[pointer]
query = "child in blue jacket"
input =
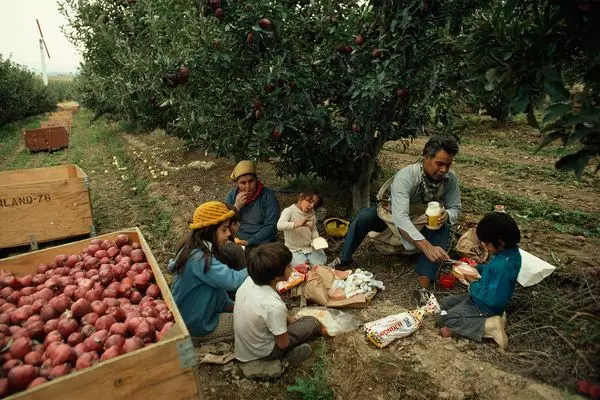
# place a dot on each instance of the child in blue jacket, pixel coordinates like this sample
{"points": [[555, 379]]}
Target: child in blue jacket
{"points": [[201, 281], [477, 314]]}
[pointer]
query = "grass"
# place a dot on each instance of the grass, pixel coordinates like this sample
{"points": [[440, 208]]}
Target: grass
{"points": [[315, 387], [578, 222], [519, 171]]}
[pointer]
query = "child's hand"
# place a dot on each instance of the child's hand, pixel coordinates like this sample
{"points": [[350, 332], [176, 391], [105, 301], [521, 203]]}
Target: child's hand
{"points": [[240, 242], [471, 278], [291, 319], [301, 222]]}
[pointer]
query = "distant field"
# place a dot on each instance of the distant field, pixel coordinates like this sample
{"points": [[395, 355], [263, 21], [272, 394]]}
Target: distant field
{"points": [[57, 78]]}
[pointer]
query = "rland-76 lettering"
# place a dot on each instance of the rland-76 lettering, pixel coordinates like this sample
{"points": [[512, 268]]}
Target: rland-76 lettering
{"points": [[24, 200]]}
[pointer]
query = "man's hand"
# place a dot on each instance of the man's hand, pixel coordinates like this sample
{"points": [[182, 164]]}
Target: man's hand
{"points": [[435, 254], [240, 199], [443, 218], [301, 222]]}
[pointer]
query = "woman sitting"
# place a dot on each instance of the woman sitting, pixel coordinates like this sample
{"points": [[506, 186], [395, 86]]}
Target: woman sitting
{"points": [[257, 206]]}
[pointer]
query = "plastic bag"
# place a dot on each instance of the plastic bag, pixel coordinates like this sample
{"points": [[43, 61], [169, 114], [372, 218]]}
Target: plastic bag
{"points": [[295, 279], [385, 330], [335, 321]]}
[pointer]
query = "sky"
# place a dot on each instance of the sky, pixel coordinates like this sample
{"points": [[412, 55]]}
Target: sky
{"points": [[19, 35]]}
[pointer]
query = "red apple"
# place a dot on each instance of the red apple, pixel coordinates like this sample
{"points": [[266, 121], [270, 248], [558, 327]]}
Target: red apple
{"points": [[183, 72], [355, 127], [269, 88], [402, 93], [292, 86], [215, 4], [595, 392], [250, 38], [583, 386], [266, 24], [376, 53], [257, 103], [219, 13], [258, 114], [360, 39], [275, 133]]}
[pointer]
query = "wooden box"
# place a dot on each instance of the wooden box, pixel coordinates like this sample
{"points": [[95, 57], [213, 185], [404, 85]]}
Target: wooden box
{"points": [[163, 370], [42, 204], [51, 124], [51, 138]]}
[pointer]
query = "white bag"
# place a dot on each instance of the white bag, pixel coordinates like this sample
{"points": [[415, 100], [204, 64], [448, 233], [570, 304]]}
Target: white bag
{"points": [[533, 269]]}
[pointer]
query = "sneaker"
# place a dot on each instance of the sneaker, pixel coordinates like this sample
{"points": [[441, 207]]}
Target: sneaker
{"points": [[298, 354], [421, 296], [339, 264]]}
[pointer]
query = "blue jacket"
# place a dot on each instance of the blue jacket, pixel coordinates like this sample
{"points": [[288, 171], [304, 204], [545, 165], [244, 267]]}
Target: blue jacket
{"points": [[492, 292], [201, 296], [258, 220]]}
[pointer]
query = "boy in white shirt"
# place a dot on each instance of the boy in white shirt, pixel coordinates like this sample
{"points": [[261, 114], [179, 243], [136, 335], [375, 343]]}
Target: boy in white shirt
{"points": [[263, 329]]}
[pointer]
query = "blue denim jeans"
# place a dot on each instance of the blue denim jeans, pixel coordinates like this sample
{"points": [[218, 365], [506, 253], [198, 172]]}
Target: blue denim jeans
{"points": [[367, 220]]}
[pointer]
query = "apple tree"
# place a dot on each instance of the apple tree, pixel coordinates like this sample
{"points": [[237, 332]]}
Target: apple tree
{"points": [[526, 55]]}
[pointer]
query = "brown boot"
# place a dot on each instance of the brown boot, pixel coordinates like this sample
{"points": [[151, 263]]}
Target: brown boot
{"points": [[494, 329]]}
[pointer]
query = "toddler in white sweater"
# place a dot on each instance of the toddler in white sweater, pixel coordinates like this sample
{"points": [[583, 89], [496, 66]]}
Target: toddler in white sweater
{"points": [[298, 223]]}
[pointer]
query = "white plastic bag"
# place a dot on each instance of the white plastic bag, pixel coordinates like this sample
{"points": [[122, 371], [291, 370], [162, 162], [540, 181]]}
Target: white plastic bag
{"points": [[533, 269], [335, 321]]}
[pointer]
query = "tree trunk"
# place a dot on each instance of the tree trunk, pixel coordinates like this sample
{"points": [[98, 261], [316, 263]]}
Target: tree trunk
{"points": [[361, 188]]}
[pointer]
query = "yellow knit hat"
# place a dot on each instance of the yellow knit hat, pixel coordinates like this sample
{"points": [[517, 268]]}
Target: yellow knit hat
{"points": [[242, 168], [210, 213]]}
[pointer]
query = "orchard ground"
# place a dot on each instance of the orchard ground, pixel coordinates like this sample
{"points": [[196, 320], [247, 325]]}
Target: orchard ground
{"points": [[154, 181]]}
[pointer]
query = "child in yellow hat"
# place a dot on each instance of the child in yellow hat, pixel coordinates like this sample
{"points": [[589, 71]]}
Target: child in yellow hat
{"points": [[201, 281]]}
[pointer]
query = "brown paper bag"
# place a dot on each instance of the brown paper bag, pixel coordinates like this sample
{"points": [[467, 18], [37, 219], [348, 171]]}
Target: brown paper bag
{"points": [[469, 246], [318, 282]]}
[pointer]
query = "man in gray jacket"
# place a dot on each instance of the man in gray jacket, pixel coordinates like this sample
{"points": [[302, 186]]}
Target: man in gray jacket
{"points": [[414, 186]]}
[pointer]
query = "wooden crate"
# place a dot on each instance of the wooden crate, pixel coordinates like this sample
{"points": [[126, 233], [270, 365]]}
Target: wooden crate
{"points": [[63, 122], [164, 370], [51, 138], [42, 204]]}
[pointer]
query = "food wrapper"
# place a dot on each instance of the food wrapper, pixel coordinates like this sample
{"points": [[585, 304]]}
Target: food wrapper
{"points": [[295, 279], [385, 330]]}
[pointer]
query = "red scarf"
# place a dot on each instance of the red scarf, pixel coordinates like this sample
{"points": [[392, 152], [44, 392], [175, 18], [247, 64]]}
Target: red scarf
{"points": [[259, 188]]}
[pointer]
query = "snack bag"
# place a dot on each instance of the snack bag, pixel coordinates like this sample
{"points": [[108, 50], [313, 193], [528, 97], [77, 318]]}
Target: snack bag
{"points": [[385, 330], [294, 280]]}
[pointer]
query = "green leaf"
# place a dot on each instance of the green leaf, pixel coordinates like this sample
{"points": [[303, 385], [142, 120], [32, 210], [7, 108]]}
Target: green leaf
{"points": [[489, 86], [551, 74], [580, 133], [556, 90], [520, 104], [509, 8], [574, 162], [490, 74], [549, 139], [555, 111]]}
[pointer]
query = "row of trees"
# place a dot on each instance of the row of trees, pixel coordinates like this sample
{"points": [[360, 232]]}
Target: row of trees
{"points": [[324, 84], [21, 93]]}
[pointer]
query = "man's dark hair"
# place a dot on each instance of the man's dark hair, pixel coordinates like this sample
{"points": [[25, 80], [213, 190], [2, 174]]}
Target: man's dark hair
{"points": [[440, 142], [496, 227], [268, 261]]}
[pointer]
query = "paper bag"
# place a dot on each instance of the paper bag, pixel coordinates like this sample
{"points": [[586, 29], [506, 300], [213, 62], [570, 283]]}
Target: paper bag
{"points": [[533, 269], [318, 282]]}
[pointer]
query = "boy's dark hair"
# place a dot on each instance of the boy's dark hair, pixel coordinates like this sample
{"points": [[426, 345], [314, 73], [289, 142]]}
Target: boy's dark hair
{"points": [[268, 261], [440, 142], [496, 227], [306, 194]]}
